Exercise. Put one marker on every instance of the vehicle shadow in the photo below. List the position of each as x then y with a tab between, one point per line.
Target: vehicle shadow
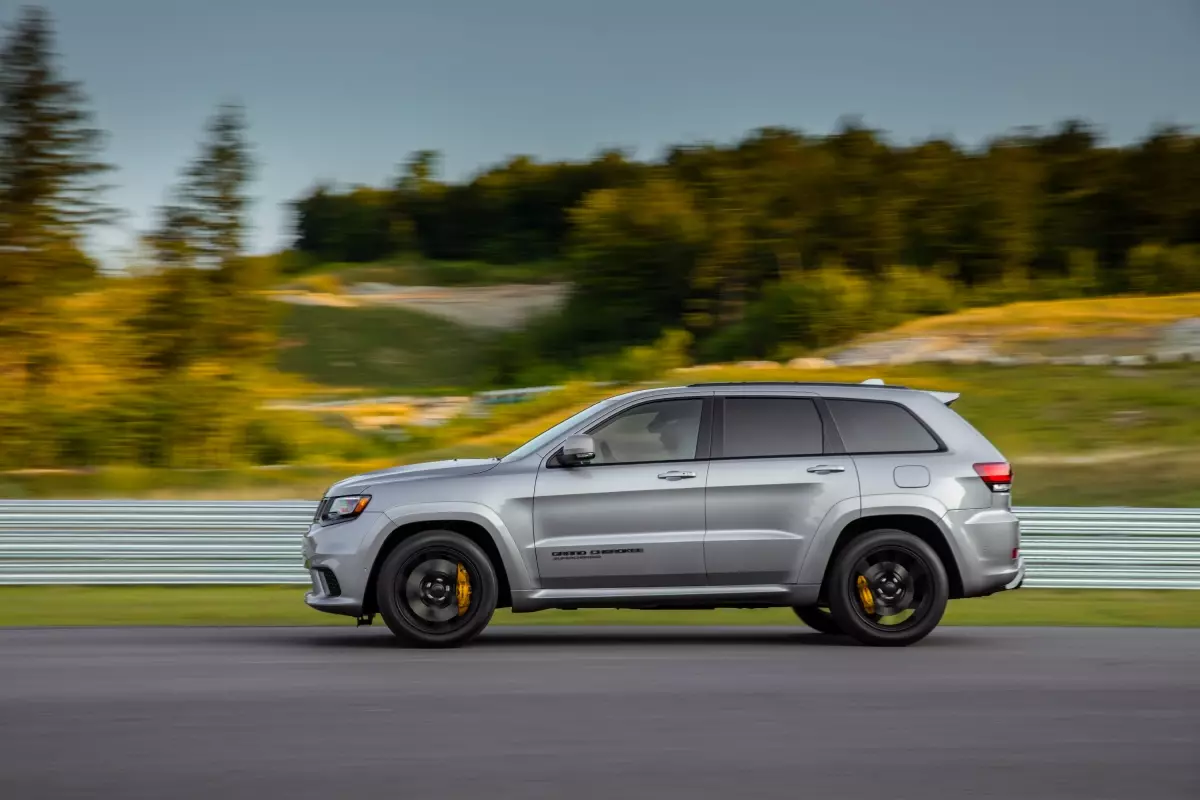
522	637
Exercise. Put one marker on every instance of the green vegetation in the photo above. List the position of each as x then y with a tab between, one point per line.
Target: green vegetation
1077	435
1059	319
784	242
384	348
167	376
284	605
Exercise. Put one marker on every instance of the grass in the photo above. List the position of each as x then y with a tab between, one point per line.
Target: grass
382	348
1042	410
276	605
1077	435
1057	319
1067	317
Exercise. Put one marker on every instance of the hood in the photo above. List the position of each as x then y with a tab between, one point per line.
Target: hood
432	469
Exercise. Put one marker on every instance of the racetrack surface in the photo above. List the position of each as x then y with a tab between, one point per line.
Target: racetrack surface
600	712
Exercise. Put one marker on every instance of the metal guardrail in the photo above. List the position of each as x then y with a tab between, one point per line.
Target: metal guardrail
240	542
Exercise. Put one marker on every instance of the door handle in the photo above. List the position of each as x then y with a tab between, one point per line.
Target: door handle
825	469
676	475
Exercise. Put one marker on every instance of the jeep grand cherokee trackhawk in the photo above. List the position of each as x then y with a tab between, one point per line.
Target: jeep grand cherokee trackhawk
863	507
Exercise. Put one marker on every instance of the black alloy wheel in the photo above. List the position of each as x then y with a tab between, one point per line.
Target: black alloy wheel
436	589
889	588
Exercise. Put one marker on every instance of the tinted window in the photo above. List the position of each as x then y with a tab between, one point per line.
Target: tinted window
667	430
870	427
771	426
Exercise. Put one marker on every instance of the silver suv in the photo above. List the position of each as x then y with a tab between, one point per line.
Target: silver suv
863	507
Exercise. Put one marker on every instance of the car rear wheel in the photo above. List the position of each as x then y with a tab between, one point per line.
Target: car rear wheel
818	618
888	588
436	589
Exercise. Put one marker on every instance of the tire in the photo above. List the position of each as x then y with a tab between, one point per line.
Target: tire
904	574
817	618
416	590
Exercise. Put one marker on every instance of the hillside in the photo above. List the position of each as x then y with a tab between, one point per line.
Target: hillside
381	348
1078	435
1160	327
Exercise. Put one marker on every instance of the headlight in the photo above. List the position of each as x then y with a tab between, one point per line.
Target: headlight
340	509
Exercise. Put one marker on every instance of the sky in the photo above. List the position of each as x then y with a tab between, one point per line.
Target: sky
344	90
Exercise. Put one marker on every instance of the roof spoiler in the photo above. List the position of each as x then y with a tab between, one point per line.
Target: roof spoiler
944	397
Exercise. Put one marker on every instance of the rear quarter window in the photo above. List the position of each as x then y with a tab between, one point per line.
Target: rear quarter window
870	426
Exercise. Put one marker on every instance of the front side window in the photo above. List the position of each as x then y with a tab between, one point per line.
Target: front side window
547	437
665	430
868	426
762	427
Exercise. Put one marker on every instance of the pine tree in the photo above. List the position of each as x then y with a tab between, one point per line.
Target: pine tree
204	229
50	189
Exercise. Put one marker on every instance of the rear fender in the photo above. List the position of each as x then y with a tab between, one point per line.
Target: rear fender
879	505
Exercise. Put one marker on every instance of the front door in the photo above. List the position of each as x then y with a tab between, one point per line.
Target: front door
635	515
769	488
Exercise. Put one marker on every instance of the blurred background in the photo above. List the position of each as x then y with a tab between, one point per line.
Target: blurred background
251	247
247	250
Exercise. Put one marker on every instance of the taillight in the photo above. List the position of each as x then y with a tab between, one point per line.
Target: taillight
997	475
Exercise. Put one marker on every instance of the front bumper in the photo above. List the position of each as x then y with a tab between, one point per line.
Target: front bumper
339	559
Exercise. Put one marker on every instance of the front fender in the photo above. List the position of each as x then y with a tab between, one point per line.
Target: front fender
515	565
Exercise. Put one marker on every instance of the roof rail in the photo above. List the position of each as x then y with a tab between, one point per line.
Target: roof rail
870	383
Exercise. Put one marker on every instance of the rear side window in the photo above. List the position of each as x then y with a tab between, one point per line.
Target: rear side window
771	426
867	426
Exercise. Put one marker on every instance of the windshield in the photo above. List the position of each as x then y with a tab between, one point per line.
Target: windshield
545	438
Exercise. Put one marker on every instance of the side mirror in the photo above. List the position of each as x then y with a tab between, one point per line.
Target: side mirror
577	450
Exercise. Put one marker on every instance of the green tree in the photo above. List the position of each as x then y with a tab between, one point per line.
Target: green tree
50	187
204	228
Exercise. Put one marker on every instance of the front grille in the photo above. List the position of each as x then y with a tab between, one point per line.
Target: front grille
334	589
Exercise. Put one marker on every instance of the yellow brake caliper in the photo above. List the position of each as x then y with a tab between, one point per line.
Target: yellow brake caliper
462	590
864	594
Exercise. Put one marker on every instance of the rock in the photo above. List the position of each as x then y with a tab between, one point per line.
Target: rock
1183	335
810	363
1172	356
1130	361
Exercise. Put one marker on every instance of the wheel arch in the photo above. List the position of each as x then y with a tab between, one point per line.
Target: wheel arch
920	526
469	529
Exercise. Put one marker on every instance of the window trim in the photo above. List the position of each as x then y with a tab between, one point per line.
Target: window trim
941	444
703	436
718	428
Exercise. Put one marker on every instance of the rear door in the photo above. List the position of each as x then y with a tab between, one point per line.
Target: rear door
635	515
770	484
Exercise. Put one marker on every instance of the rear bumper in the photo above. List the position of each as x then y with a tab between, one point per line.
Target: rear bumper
984	541
1016	582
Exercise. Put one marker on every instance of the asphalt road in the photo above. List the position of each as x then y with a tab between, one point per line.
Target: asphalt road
608	713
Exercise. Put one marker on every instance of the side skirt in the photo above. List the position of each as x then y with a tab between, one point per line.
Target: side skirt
676	597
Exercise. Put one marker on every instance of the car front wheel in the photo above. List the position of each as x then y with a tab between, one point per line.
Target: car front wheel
888	588
436	589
